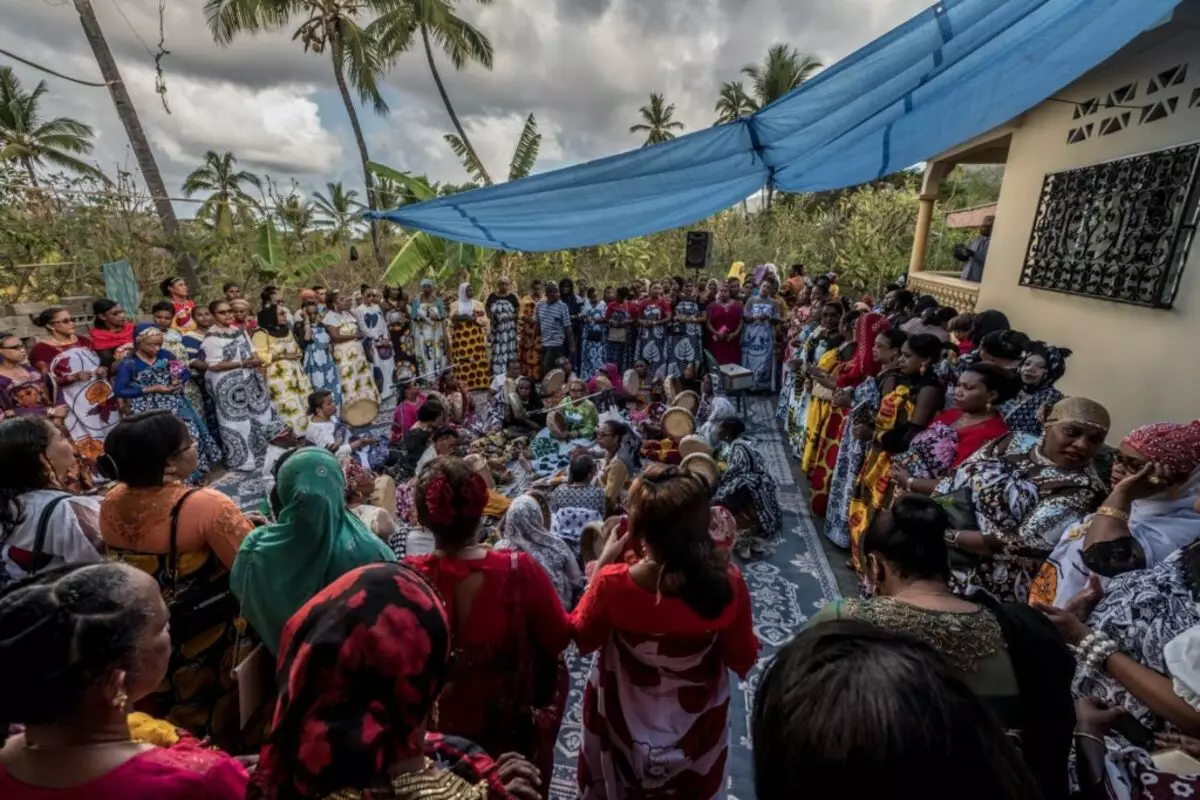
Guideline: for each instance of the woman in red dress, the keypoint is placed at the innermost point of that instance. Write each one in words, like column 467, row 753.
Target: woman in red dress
column 725, row 327
column 669, row 628
column 74, row 700
column 508, row 686
column 175, row 289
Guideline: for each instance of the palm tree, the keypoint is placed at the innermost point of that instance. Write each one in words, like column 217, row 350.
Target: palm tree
column 228, row 200
column 331, row 26
column 656, row 121
column 338, row 210
column 785, row 68
column 34, row 142
column 297, row 217
column 733, row 102
column 436, row 22
column 137, row 140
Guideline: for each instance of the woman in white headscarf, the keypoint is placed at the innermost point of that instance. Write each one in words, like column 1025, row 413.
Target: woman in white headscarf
column 468, row 341
column 525, row 530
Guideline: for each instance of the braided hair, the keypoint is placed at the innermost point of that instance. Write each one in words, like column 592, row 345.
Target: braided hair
column 63, row 630
column 669, row 509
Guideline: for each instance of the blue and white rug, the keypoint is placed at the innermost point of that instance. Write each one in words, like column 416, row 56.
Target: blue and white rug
column 785, row 590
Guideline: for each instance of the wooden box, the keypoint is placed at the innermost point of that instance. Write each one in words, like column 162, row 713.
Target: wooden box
column 736, row 378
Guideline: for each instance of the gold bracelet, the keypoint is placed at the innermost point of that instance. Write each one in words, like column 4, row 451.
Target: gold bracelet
column 1093, row 737
column 1115, row 513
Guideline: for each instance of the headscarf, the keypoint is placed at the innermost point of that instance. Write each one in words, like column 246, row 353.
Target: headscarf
column 525, row 530
column 987, row 322
column 306, row 295
column 268, row 320
column 1081, row 411
column 144, row 329
column 354, row 472
column 465, row 304
column 1056, row 363
column 361, row 665
column 1175, row 446
column 613, row 374
column 315, row 541
column 863, row 365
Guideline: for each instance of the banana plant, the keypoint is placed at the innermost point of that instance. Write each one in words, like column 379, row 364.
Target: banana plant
column 423, row 254
column 271, row 261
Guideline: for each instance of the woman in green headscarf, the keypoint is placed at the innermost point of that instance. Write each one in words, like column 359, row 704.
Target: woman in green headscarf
column 316, row 540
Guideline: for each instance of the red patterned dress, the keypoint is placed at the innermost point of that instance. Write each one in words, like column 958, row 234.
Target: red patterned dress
column 656, row 706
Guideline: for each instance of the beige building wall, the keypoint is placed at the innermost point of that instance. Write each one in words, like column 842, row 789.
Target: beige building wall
column 1142, row 364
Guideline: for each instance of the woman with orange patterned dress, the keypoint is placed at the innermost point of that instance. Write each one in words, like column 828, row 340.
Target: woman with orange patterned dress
column 531, row 335
column 839, row 347
column 857, row 365
column 911, row 397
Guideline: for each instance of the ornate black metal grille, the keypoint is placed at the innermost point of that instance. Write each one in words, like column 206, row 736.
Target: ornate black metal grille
column 1117, row 231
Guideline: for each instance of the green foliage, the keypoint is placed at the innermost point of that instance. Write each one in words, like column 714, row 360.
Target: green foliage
column 733, row 102
column 785, row 68
column 228, row 201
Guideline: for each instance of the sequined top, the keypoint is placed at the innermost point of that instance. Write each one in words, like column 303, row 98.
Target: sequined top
column 973, row 643
column 429, row 783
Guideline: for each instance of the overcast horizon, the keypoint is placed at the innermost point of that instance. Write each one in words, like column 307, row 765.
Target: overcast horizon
column 583, row 67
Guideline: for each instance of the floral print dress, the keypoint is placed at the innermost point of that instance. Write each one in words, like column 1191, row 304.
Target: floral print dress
column 287, row 381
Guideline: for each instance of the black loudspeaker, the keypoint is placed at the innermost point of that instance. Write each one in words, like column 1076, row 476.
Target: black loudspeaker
column 697, row 250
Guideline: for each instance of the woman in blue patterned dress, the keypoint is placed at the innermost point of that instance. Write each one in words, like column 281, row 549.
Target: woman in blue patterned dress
column 758, row 338
column 653, row 316
column 595, row 333
column 687, row 346
column 617, row 316
column 319, row 365
column 152, row 379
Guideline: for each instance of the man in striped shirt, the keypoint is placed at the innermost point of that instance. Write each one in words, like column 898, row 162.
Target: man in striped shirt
column 554, row 320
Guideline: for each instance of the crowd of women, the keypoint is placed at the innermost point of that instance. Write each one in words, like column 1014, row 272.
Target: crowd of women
column 565, row 470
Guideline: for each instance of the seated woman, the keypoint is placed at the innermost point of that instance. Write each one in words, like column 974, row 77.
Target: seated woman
column 497, row 503
column 1013, row 499
column 325, row 430
column 151, row 379
column 186, row 539
column 330, row 696
column 407, row 458
column 1008, row 654
column 866, row 709
column 316, row 540
column 955, row 434
column 41, row 525
column 524, row 529
column 714, row 407
column 748, row 491
column 405, row 415
column 84, row 644
column 1146, row 517
column 460, row 409
column 581, row 415
column 508, row 624
column 525, row 413
column 442, row 442
column 361, row 486
column 680, row 618
column 1133, row 636
column 552, row 448
column 578, row 501
column 621, row 450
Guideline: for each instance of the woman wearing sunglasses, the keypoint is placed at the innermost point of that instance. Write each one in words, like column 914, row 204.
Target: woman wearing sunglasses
column 1146, row 517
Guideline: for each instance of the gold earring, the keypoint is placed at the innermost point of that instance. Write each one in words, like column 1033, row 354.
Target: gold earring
column 121, row 699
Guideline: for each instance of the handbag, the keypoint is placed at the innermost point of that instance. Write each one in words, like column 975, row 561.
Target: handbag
column 38, row 560
column 594, row 335
column 959, row 506
column 202, row 605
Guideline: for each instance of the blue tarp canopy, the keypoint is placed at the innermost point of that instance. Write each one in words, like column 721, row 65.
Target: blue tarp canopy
column 956, row 70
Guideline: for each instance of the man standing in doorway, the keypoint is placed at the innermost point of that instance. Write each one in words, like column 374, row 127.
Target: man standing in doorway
column 975, row 253
column 554, row 321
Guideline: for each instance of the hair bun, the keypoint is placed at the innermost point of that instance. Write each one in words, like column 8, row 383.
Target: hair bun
column 108, row 467
column 918, row 516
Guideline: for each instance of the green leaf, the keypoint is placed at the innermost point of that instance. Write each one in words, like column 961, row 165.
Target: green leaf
column 270, row 248
column 419, row 188
column 420, row 252
column 310, row 266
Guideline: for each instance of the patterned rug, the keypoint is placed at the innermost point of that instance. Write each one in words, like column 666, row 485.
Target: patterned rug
column 785, row 590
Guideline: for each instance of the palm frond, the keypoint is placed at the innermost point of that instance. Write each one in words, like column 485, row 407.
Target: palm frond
column 61, row 159
column 461, row 41
column 467, row 156
column 419, row 253
column 526, row 153
column 419, row 188
column 227, row 18
column 363, row 62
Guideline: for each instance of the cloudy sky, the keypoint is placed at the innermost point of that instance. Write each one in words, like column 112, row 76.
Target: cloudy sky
column 584, row 67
